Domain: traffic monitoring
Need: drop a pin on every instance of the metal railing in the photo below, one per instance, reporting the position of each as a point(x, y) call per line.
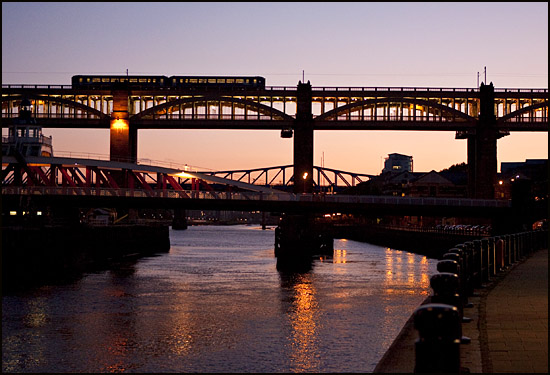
point(294, 88)
point(462, 269)
point(275, 196)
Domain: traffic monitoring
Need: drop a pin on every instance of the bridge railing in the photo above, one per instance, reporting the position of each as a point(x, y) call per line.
point(247, 196)
point(318, 88)
point(398, 89)
point(36, 86)
point(57, 115)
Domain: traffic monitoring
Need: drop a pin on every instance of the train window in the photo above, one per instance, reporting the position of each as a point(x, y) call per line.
point(211, 80)
point(133, 80)
point(230, 80)
point(96, 79)
point(142, 80)
point(247, 80)
point(87, 79)
point(202, 80)
point(193, 80)
point(105, 80)
point(80, 80)
point(239, 80)
point(154, 80)
point(162, 80)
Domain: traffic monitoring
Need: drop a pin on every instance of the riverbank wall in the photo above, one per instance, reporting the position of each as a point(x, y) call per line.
point(32, 256)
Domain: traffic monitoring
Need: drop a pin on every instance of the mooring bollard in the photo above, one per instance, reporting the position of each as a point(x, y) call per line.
point(447, 289)
point(465, 266)
point(437, 349)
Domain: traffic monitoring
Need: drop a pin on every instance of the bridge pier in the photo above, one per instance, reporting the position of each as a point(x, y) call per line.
point(303, 141)
point(123, 135)
point(482, 148)
point(298, 238)
point(179, 220)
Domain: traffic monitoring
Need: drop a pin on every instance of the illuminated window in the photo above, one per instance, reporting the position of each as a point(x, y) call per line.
point(96, 79)
point(105, 80)
point(239, 80)
point(202, 80)
point(212, 80)
point(221, 80)
point(194, 80)
point(80, 80)
point(230, 80)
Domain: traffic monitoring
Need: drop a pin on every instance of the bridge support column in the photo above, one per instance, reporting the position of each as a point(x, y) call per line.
point(298, 238)
point(179, 220)
point(303, 141)
point(123, 135)
point(482, 149)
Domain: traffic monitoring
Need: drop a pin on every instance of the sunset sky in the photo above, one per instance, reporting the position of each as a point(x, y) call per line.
point(335, 44)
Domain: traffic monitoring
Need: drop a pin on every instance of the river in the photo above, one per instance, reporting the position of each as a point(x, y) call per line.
point(216, 303)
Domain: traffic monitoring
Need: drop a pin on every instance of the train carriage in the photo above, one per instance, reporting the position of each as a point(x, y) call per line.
point(217, 81)
point(163, 82)
point(108, 81)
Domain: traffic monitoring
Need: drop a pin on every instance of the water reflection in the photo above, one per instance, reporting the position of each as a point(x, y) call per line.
point(217, 303)
point(403, 268)
point(302, 309)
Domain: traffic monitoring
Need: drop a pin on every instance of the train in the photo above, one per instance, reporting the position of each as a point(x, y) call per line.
point(164, 82)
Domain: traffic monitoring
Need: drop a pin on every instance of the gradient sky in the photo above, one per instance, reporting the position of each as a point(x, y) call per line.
point(336, 44)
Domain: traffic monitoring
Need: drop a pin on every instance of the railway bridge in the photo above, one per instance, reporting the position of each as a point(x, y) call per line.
point(481, 115)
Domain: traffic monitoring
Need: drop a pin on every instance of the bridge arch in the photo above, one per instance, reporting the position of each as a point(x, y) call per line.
point(371, 102)
point(187, 102)
point(68, 103)
point(523, 110)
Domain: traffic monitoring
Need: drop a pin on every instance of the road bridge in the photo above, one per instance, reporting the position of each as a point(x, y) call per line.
point(481, 115)
point(72, 182)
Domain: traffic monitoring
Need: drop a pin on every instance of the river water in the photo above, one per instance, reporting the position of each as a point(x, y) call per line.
point(216, 303)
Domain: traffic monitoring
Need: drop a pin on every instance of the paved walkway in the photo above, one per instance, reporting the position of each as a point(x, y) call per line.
point(509, 331)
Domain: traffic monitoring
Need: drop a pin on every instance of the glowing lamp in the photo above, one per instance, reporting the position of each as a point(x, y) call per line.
point(184, 175)
point(119, 124)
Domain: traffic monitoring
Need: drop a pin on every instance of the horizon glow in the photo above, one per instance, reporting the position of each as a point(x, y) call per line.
point(331, 44)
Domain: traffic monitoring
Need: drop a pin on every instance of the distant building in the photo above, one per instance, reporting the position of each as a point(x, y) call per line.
point(398, 163)
point(531, 172)
point(25, 136)
point(434, 184)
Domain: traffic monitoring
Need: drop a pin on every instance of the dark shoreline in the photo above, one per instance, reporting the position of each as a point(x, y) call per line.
point(34, 256)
